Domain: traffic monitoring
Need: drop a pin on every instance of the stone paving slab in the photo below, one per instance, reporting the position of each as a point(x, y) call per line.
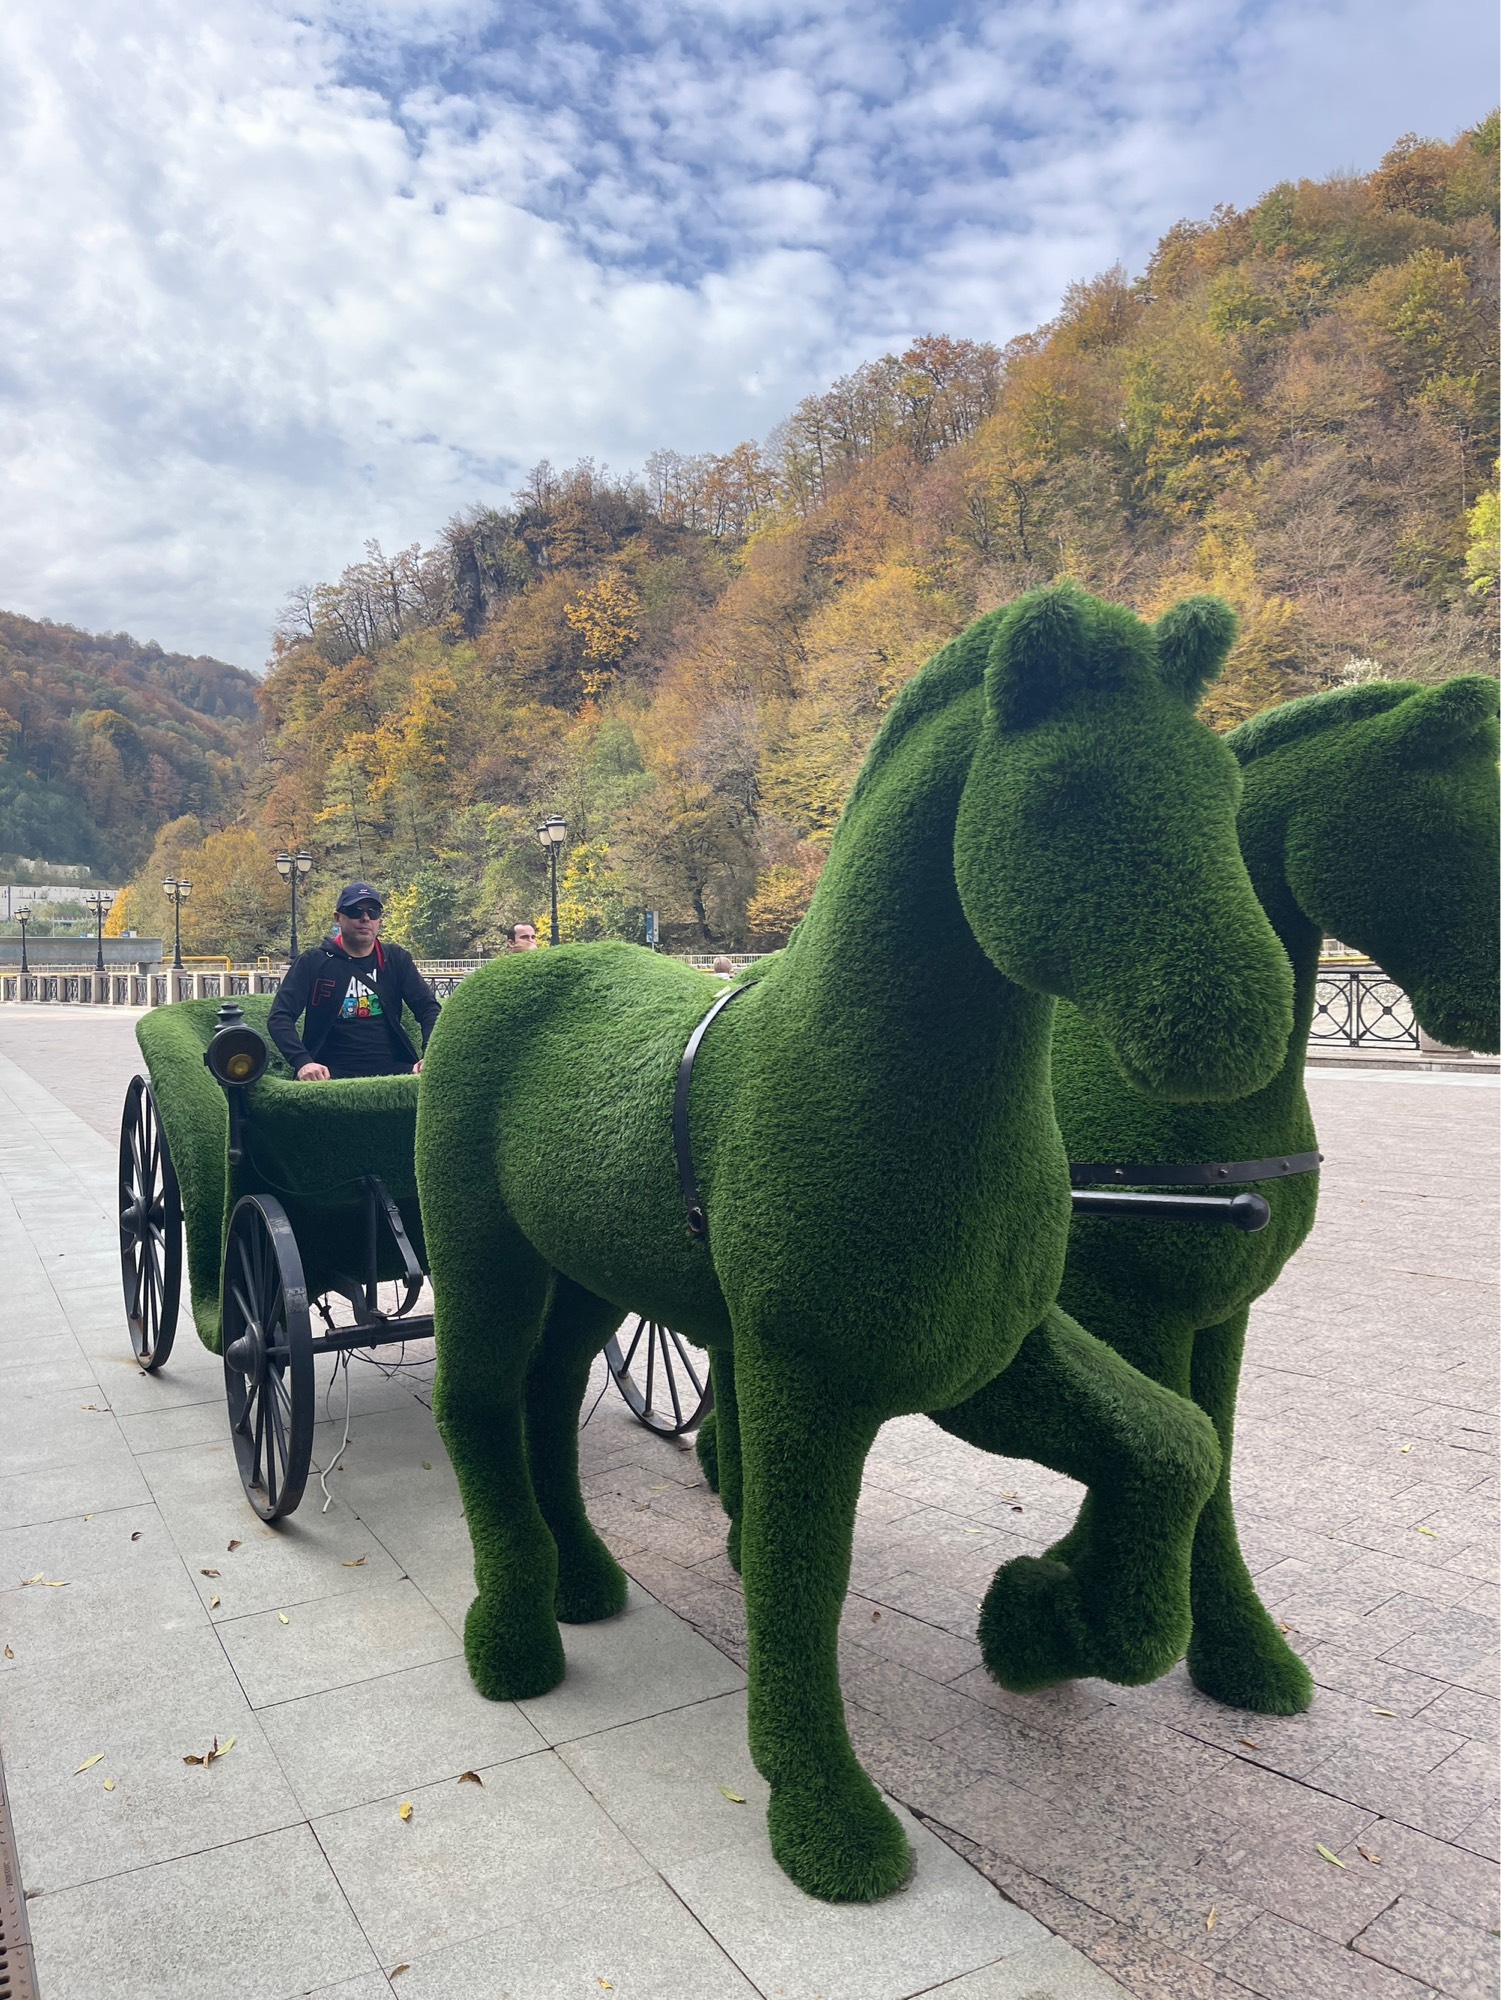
point(164, 1616)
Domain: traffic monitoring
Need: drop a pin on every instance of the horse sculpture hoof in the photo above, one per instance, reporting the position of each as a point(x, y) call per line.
point(591, 1586)
point(1249, 1665)
point(838, 1841)
point(512, 1654)
point(1032, 1628)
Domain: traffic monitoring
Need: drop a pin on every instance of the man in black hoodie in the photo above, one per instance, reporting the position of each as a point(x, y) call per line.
point(352, 988)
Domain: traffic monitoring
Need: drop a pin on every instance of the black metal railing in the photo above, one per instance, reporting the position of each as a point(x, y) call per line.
point(1357, 1006)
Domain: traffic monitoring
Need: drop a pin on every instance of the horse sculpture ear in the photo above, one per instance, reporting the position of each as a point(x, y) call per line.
point(1193, 640)
point(1426, 728)
point(1042, 654)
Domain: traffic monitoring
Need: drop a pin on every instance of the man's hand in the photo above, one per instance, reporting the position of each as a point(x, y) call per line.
point(313, 1073)
point(417, 1068)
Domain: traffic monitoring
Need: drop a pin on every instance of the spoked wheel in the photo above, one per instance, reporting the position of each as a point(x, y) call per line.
point(150, 1228)
point(268, 1356)
point(662, 1377)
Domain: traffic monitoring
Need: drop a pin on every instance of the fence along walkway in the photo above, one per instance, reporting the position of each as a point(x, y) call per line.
point(1357, 1006)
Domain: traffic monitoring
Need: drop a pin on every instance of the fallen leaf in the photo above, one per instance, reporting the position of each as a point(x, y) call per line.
point(735, 1798)
point(875, 1617)
point(1374, 1859)
point(109, 1784)
point(208, 1572)
point(607, 1984)
point(95, 1408)
point(89, 1762)
point(213, 1603)
point(404, 1810)
point(9, 1654)
point(358, 1562)
point(283, 1617)
point(211, 1756)
point(1407, 1447)
point(1213, 1918)
point(974, 1531)
point(1283, 1628)
point(88, 1517)
point(1385, 1711)
point(135, 1535)
point(35, 1579)
point(1334, 1858)
point(1428, 1531)
point(1016, 1507)
point(1007, 1496)
point(427, 1465)
point(471, 1778)
point(232, 1547)
point(397, 1970)
point(1250, 1742)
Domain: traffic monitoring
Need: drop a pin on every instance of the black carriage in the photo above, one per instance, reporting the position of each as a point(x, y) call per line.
point(294, 1211)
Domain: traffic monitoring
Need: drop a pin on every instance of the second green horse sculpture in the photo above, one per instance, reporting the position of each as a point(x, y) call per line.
point(886, 1189)
point(1369, 814)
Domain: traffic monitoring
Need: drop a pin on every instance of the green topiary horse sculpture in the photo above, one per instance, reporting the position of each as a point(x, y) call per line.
point(886, 1190)
point(1369, 814)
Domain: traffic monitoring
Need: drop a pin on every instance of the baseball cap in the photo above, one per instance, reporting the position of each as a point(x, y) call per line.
point(359, 892)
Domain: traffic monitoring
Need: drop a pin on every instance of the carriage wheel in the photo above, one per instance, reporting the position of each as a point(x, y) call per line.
point(663, 1379)
point(268, 1356)
point(150, 1228)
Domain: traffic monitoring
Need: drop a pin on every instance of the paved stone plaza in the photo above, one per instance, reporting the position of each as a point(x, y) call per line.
point(1170, 1847)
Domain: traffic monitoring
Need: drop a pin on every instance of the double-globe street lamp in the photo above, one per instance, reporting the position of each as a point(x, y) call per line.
point(176, 893)
point(552, 832)
point(99, 903)
point(292, 867)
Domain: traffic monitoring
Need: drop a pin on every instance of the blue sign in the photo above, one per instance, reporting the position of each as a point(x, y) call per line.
point(651, 930)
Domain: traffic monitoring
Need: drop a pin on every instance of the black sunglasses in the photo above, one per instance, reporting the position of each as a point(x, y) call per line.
point(363, 910)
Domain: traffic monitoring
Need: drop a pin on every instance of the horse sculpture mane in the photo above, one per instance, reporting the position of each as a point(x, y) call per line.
point(1313, 714)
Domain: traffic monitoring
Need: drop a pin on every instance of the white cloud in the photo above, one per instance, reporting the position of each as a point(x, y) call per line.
point(276, 282)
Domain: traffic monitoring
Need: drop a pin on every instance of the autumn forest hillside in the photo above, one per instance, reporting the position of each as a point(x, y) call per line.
point(1294, 406)
point(102, 739)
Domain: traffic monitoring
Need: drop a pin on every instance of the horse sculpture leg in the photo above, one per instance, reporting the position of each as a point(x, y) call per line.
point(718, 1448)
point(1119, 1607)
point(1237, 1654)
point(591, 1584)
point(804, 1452)
point(490, 1293)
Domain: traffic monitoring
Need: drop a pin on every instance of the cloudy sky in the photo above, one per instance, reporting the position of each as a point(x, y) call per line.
point(277, 278)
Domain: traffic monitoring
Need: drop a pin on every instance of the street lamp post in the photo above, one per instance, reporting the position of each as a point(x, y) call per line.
point(176, 893)
point(23, 918)
point(292, 867)
point(552, 832)
point(99, 903)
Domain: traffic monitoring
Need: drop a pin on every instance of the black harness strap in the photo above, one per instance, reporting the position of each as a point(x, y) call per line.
point(682, 1144)
point(1211, 1173)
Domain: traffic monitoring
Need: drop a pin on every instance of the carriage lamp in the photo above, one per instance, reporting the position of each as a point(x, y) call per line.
point(176, 893)
point(292, 867)
point(552, 832)
point(99, 903)
point(236, 1056)
point(23, 918)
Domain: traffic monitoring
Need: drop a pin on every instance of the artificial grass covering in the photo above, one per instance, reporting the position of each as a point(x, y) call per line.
point(1370, 815)
point(308, 1144)
point(886, 1186)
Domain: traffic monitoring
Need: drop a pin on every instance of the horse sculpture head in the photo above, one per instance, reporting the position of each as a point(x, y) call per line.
point(1096, 851)
point(1382, 800)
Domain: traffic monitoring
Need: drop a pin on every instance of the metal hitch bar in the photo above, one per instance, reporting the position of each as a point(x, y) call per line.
point(1246, 1212)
